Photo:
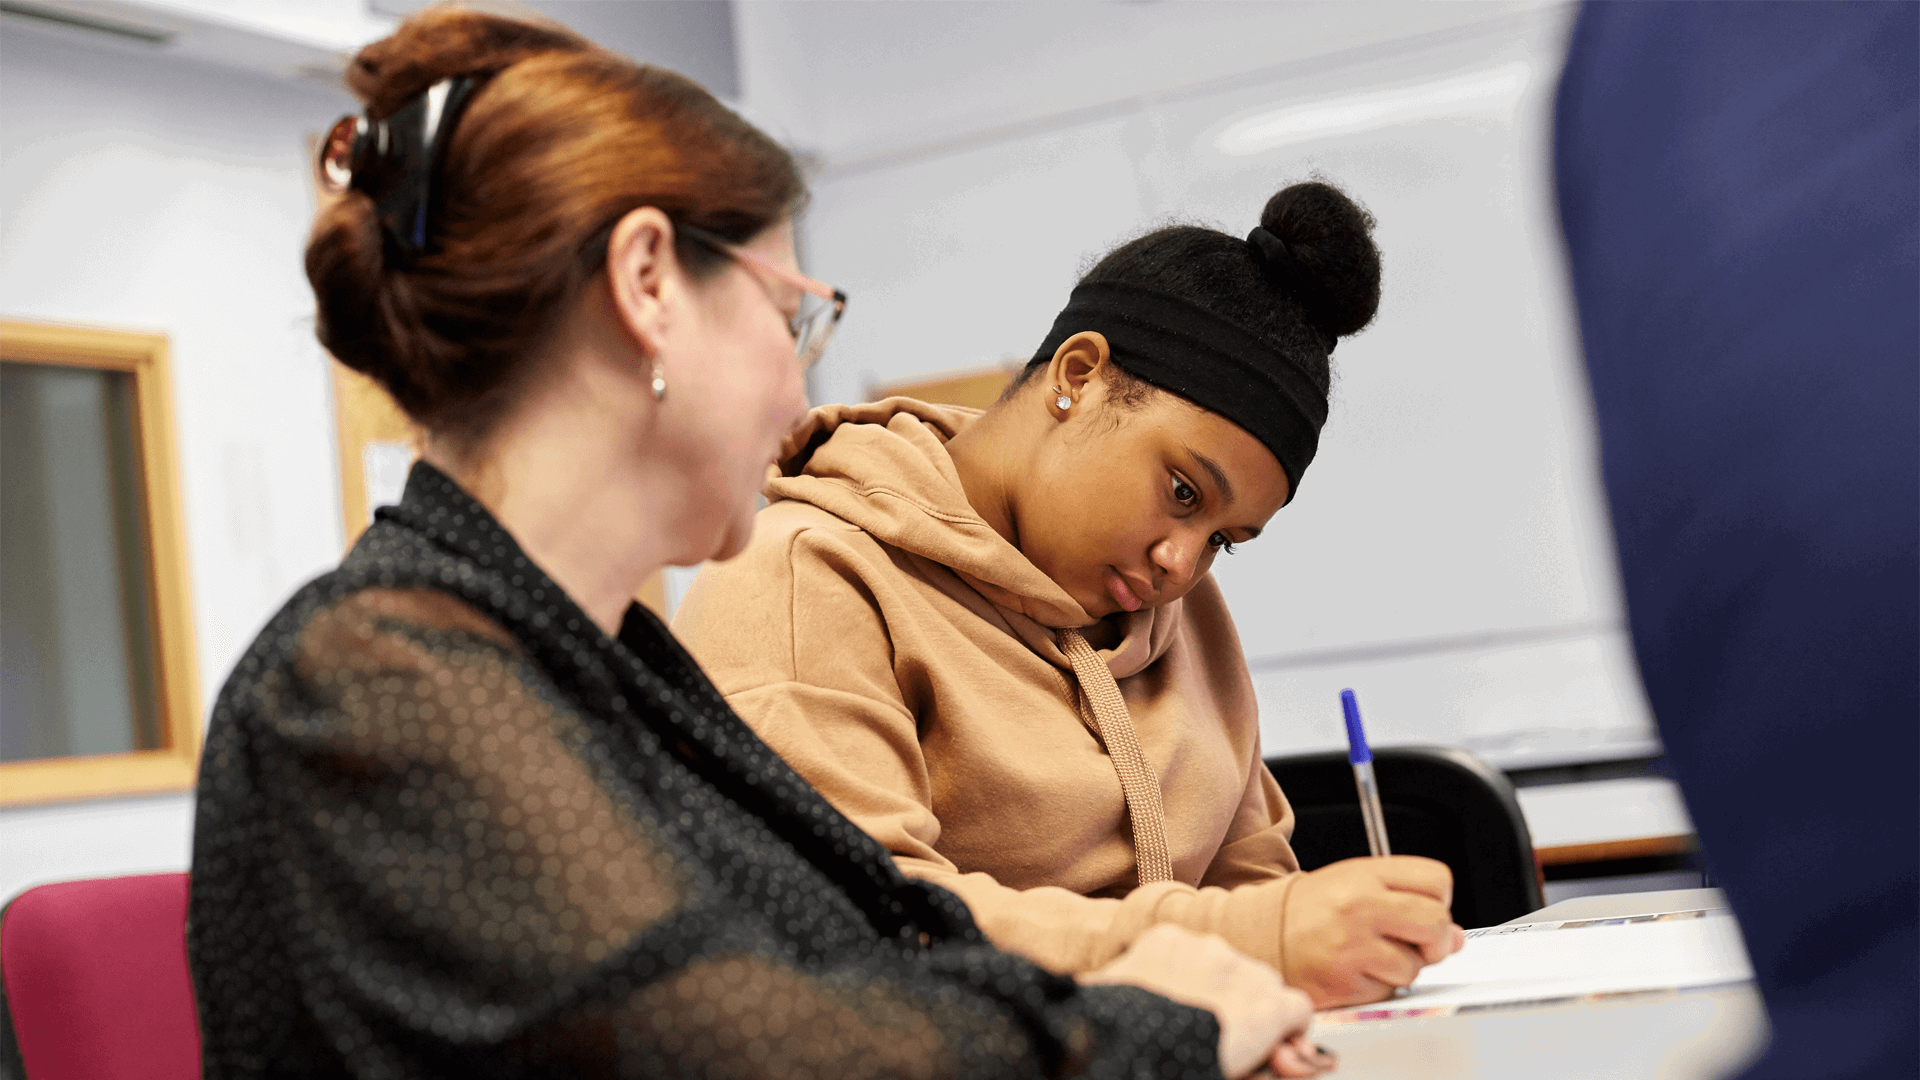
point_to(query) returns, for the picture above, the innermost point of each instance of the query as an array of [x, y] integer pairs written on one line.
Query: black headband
[[1180, 346], [396, 161]]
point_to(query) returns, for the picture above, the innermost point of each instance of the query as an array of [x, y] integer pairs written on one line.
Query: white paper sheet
[[1546, 962]]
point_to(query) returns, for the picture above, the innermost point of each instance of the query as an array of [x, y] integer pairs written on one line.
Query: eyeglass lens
[[812, 329]]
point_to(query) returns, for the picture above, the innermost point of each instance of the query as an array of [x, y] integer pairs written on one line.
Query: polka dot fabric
[[447, 827]]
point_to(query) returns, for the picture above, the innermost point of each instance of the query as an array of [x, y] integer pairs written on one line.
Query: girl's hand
[[1263, 1022], [1360, 927]]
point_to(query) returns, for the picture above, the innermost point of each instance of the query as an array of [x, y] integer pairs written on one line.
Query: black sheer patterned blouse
[[447, 827]]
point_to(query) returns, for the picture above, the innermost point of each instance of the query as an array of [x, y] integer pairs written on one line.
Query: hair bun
[[445, 42], [564, 140], [346, 263], [1331, 239]]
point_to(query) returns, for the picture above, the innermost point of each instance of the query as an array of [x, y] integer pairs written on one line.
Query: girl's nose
[[1176, 557]]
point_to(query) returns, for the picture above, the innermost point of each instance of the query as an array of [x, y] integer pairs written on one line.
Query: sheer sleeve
[[477, 878]]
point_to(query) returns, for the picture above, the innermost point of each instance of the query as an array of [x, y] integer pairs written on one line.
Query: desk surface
[[1702, 1035], [1599, 820], [1621, 905]]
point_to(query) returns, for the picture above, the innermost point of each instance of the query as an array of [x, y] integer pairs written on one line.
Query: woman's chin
[[733, 539]]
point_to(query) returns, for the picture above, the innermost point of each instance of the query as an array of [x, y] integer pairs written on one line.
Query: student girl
[[992, 641], [465, 809]]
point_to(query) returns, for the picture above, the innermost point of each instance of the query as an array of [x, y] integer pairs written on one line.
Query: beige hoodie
[[913, 666]]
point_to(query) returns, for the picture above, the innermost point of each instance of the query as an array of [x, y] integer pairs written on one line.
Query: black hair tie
[[1278, 263]]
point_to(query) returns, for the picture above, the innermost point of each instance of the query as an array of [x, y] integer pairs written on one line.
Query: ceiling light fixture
[[1346, 115], [93, 24]]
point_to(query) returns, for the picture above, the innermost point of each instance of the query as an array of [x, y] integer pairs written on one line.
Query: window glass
[[77, 643]]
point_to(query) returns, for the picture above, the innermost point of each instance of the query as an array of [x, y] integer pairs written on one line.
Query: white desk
[[1601, 820], [1703, 1035], [1618, 905]]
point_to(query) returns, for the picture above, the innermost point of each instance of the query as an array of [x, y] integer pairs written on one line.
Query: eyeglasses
[[821, 305]]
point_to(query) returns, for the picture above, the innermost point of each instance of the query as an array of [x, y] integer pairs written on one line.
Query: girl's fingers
[[1436, 951], [1418, 921], [1391, 962], [1414, 873], [1360, 988]]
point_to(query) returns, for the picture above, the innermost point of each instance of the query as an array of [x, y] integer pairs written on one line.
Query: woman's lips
[[1122, 592]]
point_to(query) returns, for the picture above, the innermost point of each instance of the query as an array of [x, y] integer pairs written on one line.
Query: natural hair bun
[[1331, 238]]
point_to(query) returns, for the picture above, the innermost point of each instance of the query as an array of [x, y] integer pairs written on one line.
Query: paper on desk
[[1547, 962]]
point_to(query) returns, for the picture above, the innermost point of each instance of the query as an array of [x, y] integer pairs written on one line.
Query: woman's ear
[[1077, 363], [641, 270]]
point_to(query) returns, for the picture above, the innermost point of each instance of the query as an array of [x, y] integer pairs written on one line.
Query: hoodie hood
[[883, 466]]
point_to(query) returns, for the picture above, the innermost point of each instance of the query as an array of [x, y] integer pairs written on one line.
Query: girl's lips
[[1121, 592]]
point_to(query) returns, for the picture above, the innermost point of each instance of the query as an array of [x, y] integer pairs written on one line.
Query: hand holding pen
[[1355, 930]]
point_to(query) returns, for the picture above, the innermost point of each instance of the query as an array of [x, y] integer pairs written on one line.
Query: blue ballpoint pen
[[1361, 758]]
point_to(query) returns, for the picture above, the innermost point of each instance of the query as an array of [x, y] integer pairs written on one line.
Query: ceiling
[[312, 40]]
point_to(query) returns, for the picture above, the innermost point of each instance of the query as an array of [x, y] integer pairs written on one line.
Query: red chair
[[96, 980]]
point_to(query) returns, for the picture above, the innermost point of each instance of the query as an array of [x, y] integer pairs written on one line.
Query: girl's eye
[[1219, 542], [1183, 492]]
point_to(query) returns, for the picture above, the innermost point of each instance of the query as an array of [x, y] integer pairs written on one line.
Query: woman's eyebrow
[[1214, 470]]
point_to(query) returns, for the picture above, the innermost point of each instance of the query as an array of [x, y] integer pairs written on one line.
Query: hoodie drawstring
[[1105, 711]]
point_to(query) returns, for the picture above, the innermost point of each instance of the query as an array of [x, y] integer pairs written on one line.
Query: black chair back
[[1440, 802]]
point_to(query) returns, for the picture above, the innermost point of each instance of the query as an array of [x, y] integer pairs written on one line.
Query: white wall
[[1448, 555], [156, 194]]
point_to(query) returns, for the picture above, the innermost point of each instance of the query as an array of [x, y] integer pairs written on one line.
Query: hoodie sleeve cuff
[[1252, 918]]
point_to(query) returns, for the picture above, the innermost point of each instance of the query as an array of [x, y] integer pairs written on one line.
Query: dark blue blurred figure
[[1741, 196]]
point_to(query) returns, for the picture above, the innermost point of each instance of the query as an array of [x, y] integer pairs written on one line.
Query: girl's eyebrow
[[1225, 485], [1214, 470]]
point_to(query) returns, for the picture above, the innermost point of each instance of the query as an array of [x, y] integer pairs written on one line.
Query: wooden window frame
[[975, 388], [363, 413], [175, 764]]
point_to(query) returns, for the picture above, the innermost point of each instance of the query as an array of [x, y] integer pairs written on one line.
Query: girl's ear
[[1077, 362], [640, 265]]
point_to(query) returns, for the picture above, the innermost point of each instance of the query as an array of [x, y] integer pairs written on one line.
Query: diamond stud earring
[[1063, 401]]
